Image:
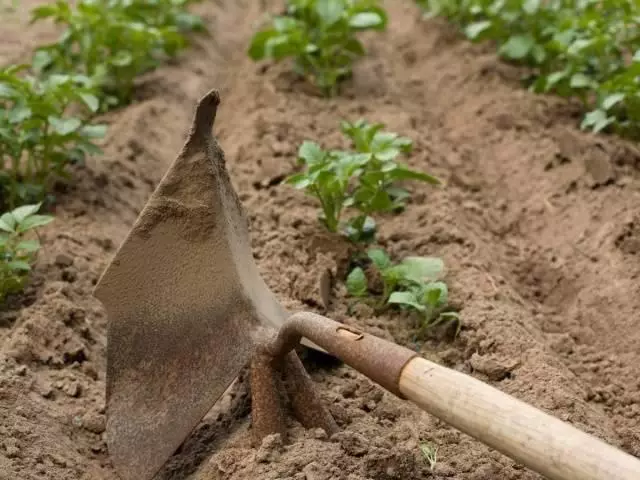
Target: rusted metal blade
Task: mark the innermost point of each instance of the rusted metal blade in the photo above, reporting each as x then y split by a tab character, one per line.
185	301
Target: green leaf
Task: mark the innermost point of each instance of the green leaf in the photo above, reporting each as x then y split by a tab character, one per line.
311	152
597	119
19	265
29	246
19	114
6	91
64	126
406	299
420	269
474	30
257	49
556	77
329	11
122	59
517	47
580	80
401	173
354	46
357	283
611	100
25	211
299	181
41	60
284	24
7	222
436	294
379	258
94	131
280	47
366	20
90	101
43	12
531	6
34	221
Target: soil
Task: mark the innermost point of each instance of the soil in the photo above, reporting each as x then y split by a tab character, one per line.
538	225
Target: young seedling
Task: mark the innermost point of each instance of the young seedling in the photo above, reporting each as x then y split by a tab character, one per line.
377	190
112	42
17	253
413	284
364	180
39	136
327	177
584	49
430	454
321	36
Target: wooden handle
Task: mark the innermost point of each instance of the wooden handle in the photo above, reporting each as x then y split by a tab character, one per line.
537	440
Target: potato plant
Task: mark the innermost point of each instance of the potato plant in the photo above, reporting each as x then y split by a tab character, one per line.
112	42
413	284
17	252
40	133
589	49
321	37
364	179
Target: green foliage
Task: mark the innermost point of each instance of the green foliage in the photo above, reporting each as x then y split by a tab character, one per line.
413	284
321	36
113	41
39	136
364	179
589	49
18	253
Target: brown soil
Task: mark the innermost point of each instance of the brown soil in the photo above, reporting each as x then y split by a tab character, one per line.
538	225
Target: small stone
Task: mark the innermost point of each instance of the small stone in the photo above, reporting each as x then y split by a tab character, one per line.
21	370
599	167
97	448
93	422
75	315
270	449
11	448
63	260
319	434
90	371
12	452
369	406
491	367
72	389
352	443
45	390
58	460
280	148
348	390
313	471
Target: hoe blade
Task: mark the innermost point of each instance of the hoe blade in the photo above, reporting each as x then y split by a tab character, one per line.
185	301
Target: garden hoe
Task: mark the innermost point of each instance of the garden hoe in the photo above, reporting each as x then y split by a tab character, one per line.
188	310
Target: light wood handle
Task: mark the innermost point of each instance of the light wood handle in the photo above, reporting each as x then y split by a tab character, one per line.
539	441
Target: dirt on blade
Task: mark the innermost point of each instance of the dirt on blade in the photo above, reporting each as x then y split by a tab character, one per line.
538	225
